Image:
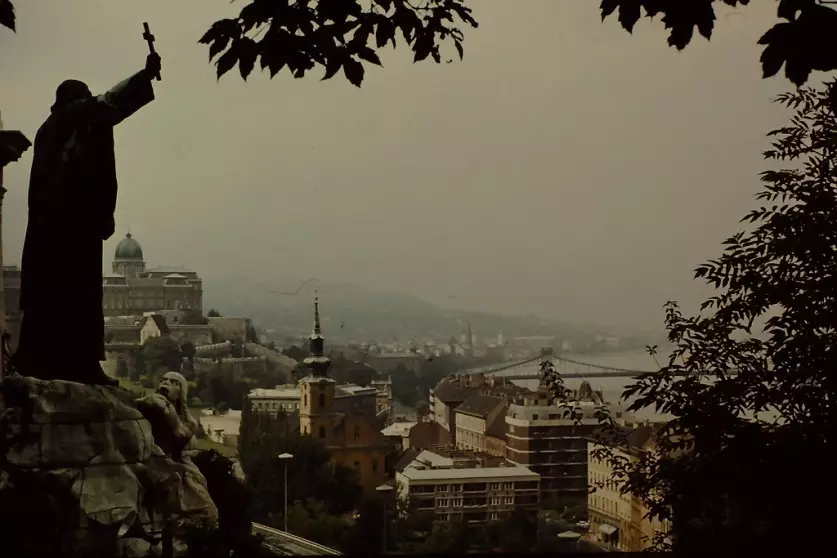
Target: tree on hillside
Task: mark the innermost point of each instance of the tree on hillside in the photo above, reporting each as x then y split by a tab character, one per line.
295	352
715	474
213	313
160	352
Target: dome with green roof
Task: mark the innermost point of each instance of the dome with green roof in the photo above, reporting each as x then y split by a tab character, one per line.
128	249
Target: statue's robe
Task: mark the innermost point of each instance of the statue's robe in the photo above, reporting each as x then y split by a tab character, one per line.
72	198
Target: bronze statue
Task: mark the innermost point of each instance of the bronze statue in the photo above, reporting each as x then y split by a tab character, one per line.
72	198
174	432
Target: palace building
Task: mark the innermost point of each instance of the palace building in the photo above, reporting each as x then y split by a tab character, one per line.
132	289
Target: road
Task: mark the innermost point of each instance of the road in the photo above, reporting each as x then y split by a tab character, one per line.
289	545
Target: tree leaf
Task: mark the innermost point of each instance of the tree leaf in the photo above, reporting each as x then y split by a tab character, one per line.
353	70
629	12
7	14
335	62
384	32
217	46
772	59
226	62
788	9
247	53
366	53
608	7
422	48
459	48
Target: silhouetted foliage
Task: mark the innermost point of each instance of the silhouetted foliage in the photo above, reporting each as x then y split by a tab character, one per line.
345	34
213	313
366	536
233	536
805	39
714	471
334	34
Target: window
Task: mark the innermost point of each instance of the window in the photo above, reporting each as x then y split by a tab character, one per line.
495	486
321	400
357	436
508	500
442	488
493	516
322	432
305	399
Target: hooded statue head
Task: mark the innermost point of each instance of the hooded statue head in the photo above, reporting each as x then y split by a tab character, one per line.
70	91
174	387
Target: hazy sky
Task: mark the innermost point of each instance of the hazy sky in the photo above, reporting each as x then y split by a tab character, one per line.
564	167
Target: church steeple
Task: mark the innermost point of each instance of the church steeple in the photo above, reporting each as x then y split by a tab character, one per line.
317	361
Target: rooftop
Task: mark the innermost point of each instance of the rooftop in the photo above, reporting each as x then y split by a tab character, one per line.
399	429
480	405
351	389
279	392
430	466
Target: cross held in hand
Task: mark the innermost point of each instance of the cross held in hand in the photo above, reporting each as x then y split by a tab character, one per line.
149	38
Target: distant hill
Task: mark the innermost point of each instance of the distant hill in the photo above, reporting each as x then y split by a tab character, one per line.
355	313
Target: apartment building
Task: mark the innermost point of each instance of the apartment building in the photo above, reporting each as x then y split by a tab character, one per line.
473	417
550	437
619	520
453	391
432	482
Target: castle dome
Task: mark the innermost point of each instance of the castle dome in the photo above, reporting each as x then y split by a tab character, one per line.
128	249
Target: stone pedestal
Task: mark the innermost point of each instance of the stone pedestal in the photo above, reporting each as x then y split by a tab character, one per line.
79	467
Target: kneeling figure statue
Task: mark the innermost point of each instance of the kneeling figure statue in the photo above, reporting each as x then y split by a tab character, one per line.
186	500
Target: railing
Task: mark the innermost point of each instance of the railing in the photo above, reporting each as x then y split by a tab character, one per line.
314	548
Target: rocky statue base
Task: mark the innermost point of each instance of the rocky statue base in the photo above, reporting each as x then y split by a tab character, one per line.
80	474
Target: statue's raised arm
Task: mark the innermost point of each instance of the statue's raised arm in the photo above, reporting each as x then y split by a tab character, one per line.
74	102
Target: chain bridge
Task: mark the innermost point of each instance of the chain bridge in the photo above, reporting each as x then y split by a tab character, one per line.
567	368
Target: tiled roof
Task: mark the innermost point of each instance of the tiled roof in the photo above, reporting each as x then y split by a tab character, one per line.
479	405
448	393
160	322
405	460
498	428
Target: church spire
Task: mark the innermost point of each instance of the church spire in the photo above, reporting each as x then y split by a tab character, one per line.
317	361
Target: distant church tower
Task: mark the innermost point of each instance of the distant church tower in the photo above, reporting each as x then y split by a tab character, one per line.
316	407
470	341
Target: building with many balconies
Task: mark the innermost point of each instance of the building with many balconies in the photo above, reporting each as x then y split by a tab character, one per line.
452	491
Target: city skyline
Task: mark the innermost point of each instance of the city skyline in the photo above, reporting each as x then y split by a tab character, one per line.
511	181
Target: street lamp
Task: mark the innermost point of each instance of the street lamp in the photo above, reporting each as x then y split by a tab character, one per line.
283	457
384	490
